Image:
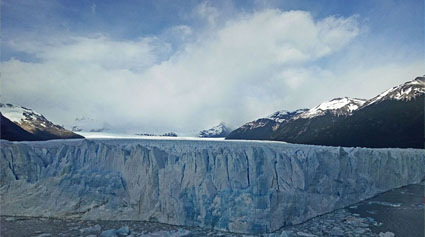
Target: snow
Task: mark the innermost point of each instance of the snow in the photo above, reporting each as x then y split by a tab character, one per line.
21	115
276	116
17	113
217	129
382	95
238	186
405	91
338	106
220	130
255	124
283	115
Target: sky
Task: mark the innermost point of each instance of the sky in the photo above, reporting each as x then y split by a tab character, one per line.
183	66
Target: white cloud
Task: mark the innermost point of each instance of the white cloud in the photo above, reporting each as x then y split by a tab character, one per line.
97	50
207	12
182	30
248	67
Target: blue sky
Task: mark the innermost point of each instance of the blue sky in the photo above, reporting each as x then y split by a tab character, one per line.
202	61
393	21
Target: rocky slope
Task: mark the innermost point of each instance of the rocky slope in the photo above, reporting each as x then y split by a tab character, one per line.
221	130
336	107
12	132
310	125
35	124
246	187
404	92
323	114
395	118
261	129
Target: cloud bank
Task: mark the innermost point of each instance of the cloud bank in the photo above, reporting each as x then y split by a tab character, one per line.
232	70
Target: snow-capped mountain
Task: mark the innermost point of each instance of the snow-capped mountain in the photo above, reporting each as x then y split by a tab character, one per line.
221	130
22	115
404	92
392	119
12	132
338	107
284	115
86	124
276	118
35	123
262	128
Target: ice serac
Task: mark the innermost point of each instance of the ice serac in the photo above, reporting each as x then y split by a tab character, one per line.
238	186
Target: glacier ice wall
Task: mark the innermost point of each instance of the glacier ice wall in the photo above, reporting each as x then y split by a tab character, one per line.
238	186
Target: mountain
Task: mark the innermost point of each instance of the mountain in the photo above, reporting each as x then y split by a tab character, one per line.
262	129
12	132
310	125
336	107
221	130
394	118
405	92
86	124
168	134
33	123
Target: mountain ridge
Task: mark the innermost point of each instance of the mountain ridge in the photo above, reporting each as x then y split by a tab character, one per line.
34	123
261	128
394	118
220	130
338	106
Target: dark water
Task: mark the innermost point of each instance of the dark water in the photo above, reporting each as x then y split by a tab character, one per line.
50	227
400	211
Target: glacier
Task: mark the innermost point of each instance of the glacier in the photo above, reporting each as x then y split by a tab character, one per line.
238	186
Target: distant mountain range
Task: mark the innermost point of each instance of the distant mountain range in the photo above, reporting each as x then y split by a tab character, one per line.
221	130
86	124
23	124
168	134
394	118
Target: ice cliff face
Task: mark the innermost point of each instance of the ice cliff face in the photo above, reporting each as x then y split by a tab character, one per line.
249	187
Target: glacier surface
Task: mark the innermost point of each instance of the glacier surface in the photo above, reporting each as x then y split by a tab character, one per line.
238	186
